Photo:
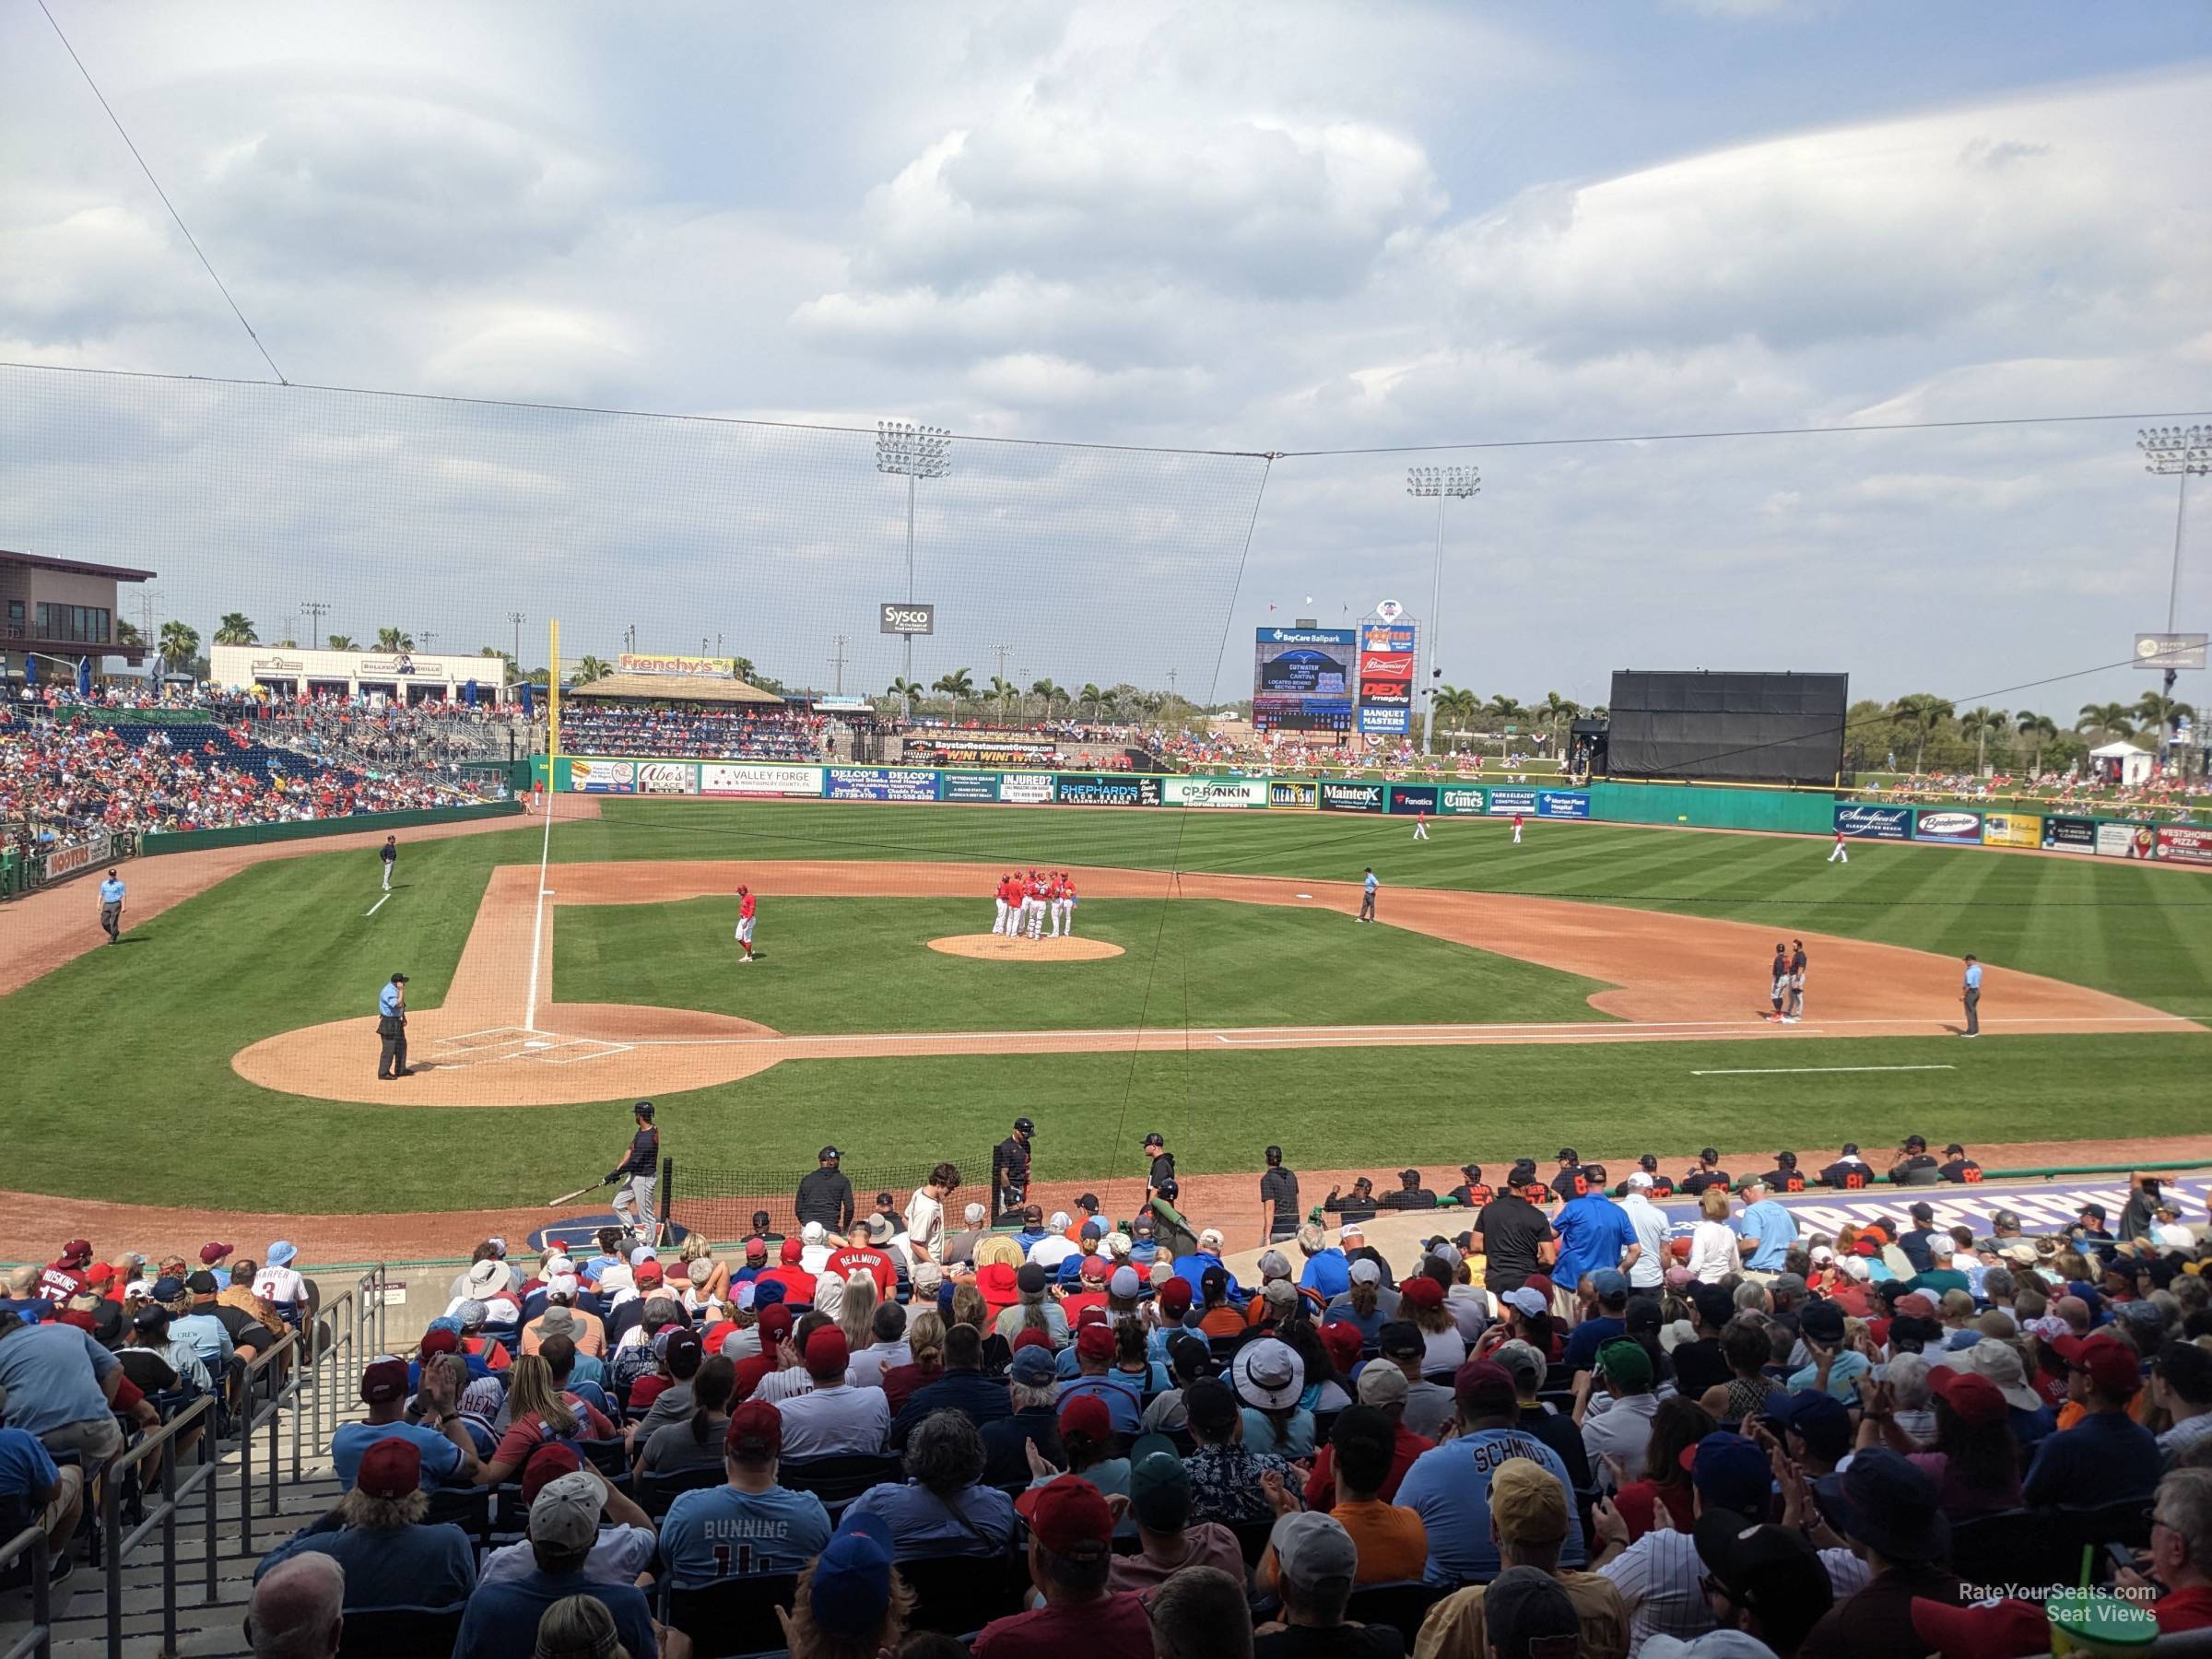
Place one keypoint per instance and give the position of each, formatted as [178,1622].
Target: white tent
[2123,762]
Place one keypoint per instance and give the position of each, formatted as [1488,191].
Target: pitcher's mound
[997,947]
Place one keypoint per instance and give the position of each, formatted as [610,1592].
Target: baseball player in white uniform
[1004,910]
[1068,904]
[1055,899]
[1032,906]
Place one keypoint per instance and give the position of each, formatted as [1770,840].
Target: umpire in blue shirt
[111,908]
[392,1029]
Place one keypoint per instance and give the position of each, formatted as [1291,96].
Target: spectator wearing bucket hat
[1889,1512]
[376,1533]
[289,1295]
[1529,1520]
[1269,1378]
[1658,1575]
[1071,1561]
[2106,1454]
[1449,1487]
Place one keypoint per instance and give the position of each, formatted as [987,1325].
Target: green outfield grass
[120,1085]
[865,965]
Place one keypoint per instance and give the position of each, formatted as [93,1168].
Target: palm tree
[343,643]
[743,668]
[1558,710]
[2039,729]
[1978,723]
[1454,708]
[1001,690]
[589,669]
[1504,707]
[1091,695]
[394,639]
[960,683]
[126,633]
[2161,713]
[2110,719]
[235,628]
[180,643]
[908,692]
[1049,693]
[1922,712]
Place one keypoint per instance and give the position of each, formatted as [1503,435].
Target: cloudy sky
[1225,227]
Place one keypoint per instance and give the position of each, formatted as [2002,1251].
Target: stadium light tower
[2175,452]
[1446,484]
[910,450]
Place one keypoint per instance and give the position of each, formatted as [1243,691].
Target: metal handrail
[252,1415]
[161,1443]
[39,1639]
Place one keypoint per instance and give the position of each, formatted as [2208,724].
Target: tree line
[1921,732]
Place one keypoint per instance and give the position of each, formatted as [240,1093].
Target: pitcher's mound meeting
[997,947]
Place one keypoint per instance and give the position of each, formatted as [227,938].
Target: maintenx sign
[1352,797]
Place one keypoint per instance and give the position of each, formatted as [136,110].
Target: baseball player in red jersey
[1034,907]
[1516,828]
[1420,825]
[1054,900]
[745,906]
[1068,904]
[999,924]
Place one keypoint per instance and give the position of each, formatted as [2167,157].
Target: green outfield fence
[249,835]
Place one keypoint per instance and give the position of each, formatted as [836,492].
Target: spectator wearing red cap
[750,1523]
[791,1377]
[1976,1461]
[771,1349]
[2105,1456]
[1087,1445]
[1119,1392]
[376,1533]
[1449,1487]
[833,1419]
[799,1284]
[1071,1558]
[441,1438]
[64,1276]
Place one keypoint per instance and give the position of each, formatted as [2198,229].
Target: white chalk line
[377,906]
[1777,1071]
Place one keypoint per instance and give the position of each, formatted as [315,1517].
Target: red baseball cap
[548,1463]
[1087,1415]
[100,1273]
[2109,1362]
[648,1273]
[212,1254]
[1033,1338]
[1343,1340]
[1175,1296]
[776,1321]
[1070,1518]
[1094,1267]
[1094,1342]
[755,1249]
[77,1249]
[1422,1291]
[756,1430]
[390,1468]
[441,1341]
[1970,1393]
[826,1350]
[792,1251]
[383,1380]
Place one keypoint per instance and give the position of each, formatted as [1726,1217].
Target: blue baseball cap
[1611,1283]
[851,1589]
[1730,1473]
[1821,1418]
[1033,1367]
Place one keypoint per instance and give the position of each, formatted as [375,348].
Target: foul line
[537,924]
[375,908]
[1776,1071]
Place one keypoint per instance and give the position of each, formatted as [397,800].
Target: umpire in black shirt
[1010,1168]
[826,1195]
[1278,1197]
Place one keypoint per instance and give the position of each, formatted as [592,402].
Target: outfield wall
[247,835]
[1701,806]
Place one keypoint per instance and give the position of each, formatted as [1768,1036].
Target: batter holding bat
[640,1173]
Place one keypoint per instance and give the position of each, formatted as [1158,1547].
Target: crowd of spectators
[60,779]
[696,734]
[381,735]
[1566,1406]
[2163,795]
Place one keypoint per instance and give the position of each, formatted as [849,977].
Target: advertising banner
[1504,803]
[2186,842]
[2012,830]
[906,617]
[668,777]
[1216,792]
[1299,797]
[1106,789]
[1875,823]
[2127,841]
[1459,797]
[967,786]
[722,778]
[1413,797]
[1562,803]
[1385,671]
[1381,720]
[604,777]
[82,856]
[1951,829]
[2069,835]
[1351,798]
[1027,789]
[985,751]
[879,784]
[634,661]
[1305,679]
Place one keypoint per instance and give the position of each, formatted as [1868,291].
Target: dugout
[1697,725]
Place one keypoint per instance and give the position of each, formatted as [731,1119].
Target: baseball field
[1602,985]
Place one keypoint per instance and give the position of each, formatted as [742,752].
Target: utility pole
[1444,484]
[907,450]
[837,661]
[518,620]
[429,637]
[1002,650]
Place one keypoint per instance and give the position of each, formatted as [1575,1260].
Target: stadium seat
[468,1508]
[401,1633]
[1402,1605]
[610,1457]
[734,1615]
[1252,1538]
[840,1479]
[656,1492]
[2017,1545]
[959,1595]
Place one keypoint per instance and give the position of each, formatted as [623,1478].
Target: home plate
[537,1045]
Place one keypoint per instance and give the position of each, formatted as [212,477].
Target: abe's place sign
[895,617]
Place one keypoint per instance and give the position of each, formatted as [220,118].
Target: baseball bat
[567,1197]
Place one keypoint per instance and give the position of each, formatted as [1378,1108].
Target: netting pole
[667,1217]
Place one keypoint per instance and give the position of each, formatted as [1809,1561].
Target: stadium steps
[205,1630]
